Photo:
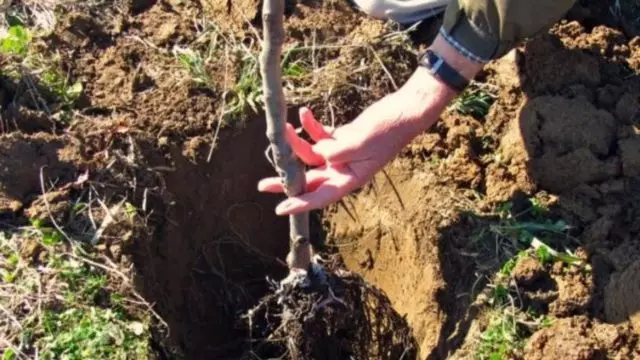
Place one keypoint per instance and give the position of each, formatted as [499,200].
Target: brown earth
[562,125]
[565,124]
[580,339]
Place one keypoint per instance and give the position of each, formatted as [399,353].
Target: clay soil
[564,127]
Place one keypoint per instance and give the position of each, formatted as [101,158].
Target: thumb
[327,193]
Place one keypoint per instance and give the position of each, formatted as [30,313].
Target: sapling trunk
[288,167]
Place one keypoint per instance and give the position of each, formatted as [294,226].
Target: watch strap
[439,68]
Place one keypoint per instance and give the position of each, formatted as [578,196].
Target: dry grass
[64,293]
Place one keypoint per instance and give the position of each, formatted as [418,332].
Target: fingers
[327,147]
[314,179]
[337,152]
[312,126]
[302,148]
[327,193]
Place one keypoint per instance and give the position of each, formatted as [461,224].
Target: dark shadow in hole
[216,239]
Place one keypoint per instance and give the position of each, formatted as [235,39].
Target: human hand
[347,157]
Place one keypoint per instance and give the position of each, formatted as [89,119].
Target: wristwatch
[439,68]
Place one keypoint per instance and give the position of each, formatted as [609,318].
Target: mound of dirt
[556,129]
[569,136]
[622,297]
[581,339]
[527,271]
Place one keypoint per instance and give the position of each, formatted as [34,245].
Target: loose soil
[565,127]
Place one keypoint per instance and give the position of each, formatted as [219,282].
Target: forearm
[424,95]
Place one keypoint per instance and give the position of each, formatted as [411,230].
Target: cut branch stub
[288,166]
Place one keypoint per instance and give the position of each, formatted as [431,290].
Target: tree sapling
[288,166]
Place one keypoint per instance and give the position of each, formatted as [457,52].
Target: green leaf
[544,255]
[569,259]
[546,322]
[75,90]
[17,41]
[36,223]
[500,295]
[12,261]
[508,266]
[9,276]
[130,209]
[52,237]
[294,70]
[9,354]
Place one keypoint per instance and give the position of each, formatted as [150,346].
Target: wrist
[466,67]
[425,94]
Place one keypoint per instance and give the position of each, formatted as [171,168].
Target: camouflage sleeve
[483,30]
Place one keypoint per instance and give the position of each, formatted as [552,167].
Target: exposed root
[328,314]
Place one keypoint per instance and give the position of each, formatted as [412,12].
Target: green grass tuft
[500,340]
[62,306]
[195,65]
[473,101]
[93,333]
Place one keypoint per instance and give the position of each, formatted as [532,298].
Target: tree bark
[288,166]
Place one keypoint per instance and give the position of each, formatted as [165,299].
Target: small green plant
[541,321]
[247,92]
[90,318]
[504,210]
[84,283]
[9,354]
[10,270]
[60,86]
[130,209]
[195,64]
[547,255]
[524,230]
[93,333]
[294,69]
[500,340]
[43,73]
[473,101]
[499,295]
[544,255]
[16,41]
[50,236]
[508,266]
